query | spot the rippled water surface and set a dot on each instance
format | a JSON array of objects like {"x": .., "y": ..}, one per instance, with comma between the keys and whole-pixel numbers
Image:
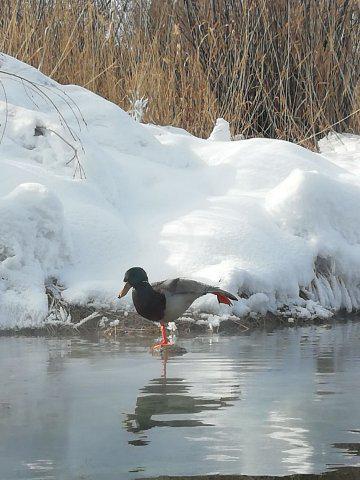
[{"x": 263, "y": 403}]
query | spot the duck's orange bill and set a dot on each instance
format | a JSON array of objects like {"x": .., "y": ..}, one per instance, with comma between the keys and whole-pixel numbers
[{"x": 125, "y": 290}]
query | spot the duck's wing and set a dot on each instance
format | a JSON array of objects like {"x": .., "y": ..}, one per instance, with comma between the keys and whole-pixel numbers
[{"x": 183, "y": 286}]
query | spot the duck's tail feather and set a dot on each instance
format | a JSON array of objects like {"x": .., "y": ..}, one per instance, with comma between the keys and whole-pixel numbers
[{"x": 223, "y": 296}]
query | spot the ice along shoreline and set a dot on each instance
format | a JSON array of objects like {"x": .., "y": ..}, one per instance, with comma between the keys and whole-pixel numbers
[
  {"x": 345, "y": 473},
  {"x": 107, "y": 323}
]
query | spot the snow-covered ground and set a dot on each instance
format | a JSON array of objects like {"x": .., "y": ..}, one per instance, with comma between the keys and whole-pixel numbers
[{"x": 267, "y": 219}]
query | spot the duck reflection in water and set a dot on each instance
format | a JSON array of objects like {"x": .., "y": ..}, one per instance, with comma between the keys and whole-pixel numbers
[{"x": 166, "y": 396}]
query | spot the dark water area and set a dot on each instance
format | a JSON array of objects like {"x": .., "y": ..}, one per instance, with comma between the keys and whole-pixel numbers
[{"x": 264, "y": 403}]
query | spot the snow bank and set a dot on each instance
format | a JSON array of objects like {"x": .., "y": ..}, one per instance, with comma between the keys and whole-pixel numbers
[
  {"x": 267, "y": 219},
  {"x": 33, "y": 246},
  {"x": 221, "y": 131}
]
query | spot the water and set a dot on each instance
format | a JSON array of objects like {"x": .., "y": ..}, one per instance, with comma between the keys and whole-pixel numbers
[{"x": 263, "y": 403}]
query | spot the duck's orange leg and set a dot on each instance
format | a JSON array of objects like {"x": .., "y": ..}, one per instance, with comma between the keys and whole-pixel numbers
[{"x": 164, "y": 342}]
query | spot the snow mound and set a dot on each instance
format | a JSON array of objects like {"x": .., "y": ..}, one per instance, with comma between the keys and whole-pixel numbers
[
  {"x": 324, "y": 213},
  {"x": 34, "y": 245},
  {"x": 221, "y": 131},
  {"x": 86, "y": 192},
  {"x": 318, "y": 208},
  {"x": 343, "y": 150}
]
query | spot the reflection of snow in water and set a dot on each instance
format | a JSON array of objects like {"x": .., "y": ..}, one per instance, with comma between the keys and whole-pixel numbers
[
  {"x": 43, "y": 468},
  {"x": 201, "y": 439},
  {"x": 260, "y": 371},
  {"x": 245, "y": 404},
  {"x": 221, "y": 458},
  {"x": 300, "y": 452}
]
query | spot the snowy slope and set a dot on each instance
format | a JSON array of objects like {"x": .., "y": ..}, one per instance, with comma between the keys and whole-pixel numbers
[{"x": 264, "y": 218}]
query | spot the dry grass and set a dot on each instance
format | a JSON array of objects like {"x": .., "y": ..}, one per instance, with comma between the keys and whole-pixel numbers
[{"x": 277, "y": 68}]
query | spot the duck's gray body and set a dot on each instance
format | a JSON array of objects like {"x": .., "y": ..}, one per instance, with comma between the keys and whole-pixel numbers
[{"x": 168, "y": 300}]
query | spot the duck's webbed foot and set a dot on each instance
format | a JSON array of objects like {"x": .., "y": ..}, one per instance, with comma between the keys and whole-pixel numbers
[
  {"x": 164, "y": 341},
  {"x": 162, "y": 344}
]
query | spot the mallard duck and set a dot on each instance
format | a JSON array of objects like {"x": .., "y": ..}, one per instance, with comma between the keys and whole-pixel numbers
[{"x": 166, "y": 301}]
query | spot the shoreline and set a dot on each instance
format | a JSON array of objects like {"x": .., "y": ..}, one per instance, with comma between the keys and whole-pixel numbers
[
  {"x": 87, "y": 321},
  {"x": 345, "y": 473}
]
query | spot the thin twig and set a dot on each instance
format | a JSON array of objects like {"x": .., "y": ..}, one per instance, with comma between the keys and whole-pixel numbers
[
  {"x": 329, "y": 127},
  {"x": 6, "y": 112},
  {"x": 47, "y": 97},
  {"x": 74, "y": 157}
]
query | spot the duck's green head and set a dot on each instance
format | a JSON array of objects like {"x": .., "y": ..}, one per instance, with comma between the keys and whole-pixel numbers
[{"x": 132, "y": 278}]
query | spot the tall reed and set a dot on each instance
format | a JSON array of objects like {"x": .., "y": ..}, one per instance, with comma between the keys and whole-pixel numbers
[{"x": 287, "y": 69}]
